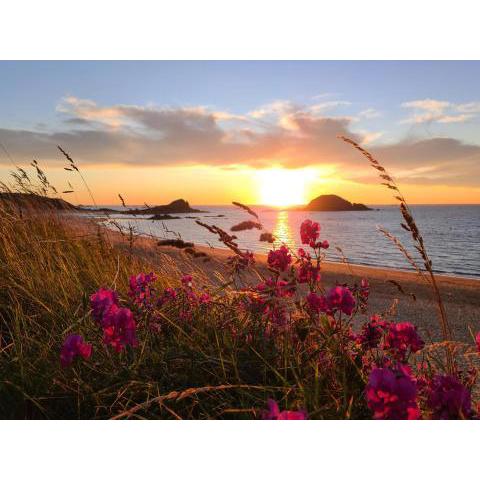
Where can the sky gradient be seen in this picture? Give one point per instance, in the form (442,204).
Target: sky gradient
(211,132)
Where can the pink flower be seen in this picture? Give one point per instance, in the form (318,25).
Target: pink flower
(279,259)
(204,298)
(317,303)
(301,253)
(306,273)
(187,281)
(401,338)
(391,395)
(140,289)
(74,346)
(340,298)
(274,413)
(325,244)
(101,301)
(119,328)
(477,341)
(309,232)
(372,332)
(448,398)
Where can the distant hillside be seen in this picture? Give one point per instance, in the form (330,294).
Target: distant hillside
(31,200)
(332,203)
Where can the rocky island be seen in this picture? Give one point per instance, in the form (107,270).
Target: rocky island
(332,203)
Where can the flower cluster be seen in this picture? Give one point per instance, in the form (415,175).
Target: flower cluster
(309,232)
(448,399)
(141,290)
(391,394)
(403,338)
(279,259)
(74,346)
(338,299)
(372,332)
(118,324)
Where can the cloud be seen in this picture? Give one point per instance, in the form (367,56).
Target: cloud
(430,110)
(280,133)
(369,113)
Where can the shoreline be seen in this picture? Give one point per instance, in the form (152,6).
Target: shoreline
(461,296)
(438,274)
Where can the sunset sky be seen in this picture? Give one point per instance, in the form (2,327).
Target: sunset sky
(257,132)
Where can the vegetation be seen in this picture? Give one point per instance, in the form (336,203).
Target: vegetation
(89,329)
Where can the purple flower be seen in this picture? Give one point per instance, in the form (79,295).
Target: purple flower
(101,301)
(401,338)
(448,399)
(73,346)
(274,413)
(372,332)
(119,328)
(309,232)
(391,395)
(317,303)
(140,289)
(279,259)
(306,273)
(340,298)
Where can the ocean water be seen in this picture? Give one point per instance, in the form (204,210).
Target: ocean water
(451,233)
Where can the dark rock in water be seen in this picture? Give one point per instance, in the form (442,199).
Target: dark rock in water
(177,206)
(175,242)
(333,203)
(164,217)
(34,201)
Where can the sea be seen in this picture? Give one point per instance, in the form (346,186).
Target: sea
(451,233)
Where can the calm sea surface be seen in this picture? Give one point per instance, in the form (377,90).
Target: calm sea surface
(451,233)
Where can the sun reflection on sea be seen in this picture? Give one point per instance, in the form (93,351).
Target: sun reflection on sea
(282,231)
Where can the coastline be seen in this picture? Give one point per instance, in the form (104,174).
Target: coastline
(461,295)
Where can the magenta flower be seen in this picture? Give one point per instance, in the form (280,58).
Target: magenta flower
(448,399)
(302,254)
(119,328)
(372,332)
(140,289)
(391,395)
(187,281)
(402,338)
(204,298)
(477,341)
(317,303)
(73,346)
(325,244)
(340,298)
(101,301)
(279,259)
(309,232)
(306,273)
(274,413)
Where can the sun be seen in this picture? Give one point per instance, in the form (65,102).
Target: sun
(280,187)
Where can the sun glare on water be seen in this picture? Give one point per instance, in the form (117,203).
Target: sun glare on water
(282,187)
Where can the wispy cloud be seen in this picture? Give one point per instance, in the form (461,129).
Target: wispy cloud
(440,111)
